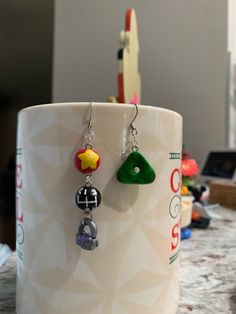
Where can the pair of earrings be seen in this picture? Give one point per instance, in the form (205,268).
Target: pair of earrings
(134,170)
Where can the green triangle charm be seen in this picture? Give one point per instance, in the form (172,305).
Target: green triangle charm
(136,170)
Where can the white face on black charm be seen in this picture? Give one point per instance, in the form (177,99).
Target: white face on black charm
(87,197)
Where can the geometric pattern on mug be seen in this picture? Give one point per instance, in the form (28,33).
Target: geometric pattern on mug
(69,282)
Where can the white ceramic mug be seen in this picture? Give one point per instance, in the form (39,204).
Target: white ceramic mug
(135,267)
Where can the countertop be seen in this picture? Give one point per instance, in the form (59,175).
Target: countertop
(208,270)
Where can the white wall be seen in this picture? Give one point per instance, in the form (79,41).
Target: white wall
(183,59)
(232,70)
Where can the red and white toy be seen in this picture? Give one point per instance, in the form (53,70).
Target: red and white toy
(129,79)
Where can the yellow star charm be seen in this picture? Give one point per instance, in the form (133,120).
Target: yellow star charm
(89,159)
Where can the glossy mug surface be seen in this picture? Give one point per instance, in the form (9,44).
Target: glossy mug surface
(135,267)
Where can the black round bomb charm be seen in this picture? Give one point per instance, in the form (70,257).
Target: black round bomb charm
(87,198)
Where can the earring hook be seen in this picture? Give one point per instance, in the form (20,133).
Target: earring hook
(89,134)
(135,116)
(90,124)
(134,131)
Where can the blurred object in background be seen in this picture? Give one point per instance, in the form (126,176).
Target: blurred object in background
(5,253)
(218,165)
(7,204)
(190,169)
(129,78)
(223,192)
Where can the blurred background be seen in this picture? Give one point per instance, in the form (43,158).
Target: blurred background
(58,51)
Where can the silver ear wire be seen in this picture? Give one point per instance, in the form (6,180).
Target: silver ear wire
(89,135)
(135,116)
(134,131)
(90,124)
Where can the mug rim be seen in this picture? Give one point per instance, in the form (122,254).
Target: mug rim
(97,104)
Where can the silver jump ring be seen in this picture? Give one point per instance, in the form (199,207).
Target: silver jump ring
(134,147)
(88,213)
(88,181)
(89,135)
(88,145)
(134,131)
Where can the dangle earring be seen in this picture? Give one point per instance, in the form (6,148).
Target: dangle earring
(87,197)
(135,169)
